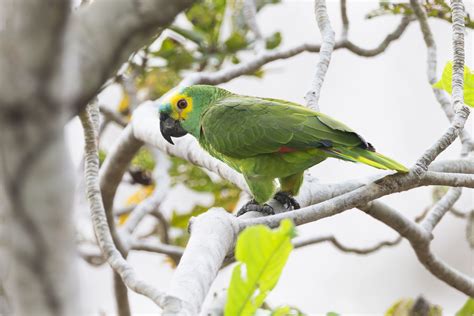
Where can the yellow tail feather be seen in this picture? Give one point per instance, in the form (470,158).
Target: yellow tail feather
(368,157)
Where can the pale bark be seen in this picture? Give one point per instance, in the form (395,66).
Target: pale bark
(52,61)
(327,47)
(35,171)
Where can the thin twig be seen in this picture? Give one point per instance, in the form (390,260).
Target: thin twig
(250,13)
(307,241)
(327,47)
(446,203)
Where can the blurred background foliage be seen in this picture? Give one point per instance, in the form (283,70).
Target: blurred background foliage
(435,9)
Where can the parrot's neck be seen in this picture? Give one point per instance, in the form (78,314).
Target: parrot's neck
(201,103)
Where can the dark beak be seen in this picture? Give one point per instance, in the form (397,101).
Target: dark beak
(170,127)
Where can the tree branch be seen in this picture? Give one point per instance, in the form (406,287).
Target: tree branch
(99,217)
(188,289)
(441,208)
(308,241)
(92,56)
(162,185)
(396,34)
(250,12)
(420,241)
(468,143)
(327,47)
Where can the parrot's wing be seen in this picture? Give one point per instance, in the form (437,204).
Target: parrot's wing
(243,127)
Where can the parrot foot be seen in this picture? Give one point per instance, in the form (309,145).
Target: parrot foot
(286,200)
(253,206)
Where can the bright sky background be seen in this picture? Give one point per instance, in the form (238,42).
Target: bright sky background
(388,100)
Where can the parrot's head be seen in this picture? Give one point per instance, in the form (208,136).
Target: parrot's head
(181,109)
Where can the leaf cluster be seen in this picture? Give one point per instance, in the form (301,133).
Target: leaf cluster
(434,8)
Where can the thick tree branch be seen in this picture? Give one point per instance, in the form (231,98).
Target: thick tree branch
(188,289)
(92,56)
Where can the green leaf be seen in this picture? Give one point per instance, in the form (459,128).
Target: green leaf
(408,306)
(102,156)
(467,309)
(207,16)
(400,307)
(144,160)
(235,42)
(192,35)
(445,83)
(282,311)
(332,314)
(176,55)
(262,254)
(182,220)
(273,41)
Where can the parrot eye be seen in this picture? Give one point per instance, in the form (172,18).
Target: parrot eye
(182,104)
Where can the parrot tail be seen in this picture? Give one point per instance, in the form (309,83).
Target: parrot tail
(367,157)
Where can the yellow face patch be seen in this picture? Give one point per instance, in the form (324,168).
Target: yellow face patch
(180,112)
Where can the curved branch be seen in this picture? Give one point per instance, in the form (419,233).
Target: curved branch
(308,241)
(420,241)
(422,17)
(150,246)
(396,34)
(327,47)
(440,209)
(92,56)
(99,218)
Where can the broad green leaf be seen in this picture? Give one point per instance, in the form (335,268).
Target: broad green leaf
(467,309)
(261,254)
(445,83)
(273,41)
(332,314)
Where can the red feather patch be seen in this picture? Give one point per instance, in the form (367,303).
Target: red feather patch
(284,150)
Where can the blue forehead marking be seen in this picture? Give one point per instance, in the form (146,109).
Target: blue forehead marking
(165,108)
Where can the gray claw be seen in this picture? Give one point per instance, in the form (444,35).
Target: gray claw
(253,206)
(287,200)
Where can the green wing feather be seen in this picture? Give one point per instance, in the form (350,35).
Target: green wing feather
(243,127)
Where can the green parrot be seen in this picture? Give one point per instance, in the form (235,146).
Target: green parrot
(264,139)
